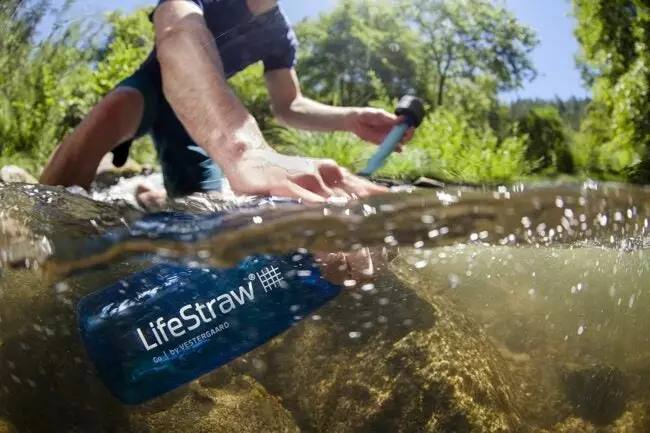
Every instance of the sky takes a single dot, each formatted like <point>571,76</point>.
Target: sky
<point>553,57</point>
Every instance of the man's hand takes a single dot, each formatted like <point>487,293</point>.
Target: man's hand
<point>266,172</point>
<point>373,124</point>
<point>295,110</point>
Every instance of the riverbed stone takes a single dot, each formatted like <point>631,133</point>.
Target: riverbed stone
<point>412,367</point>
<point>237,404</point>
<point>15,174</point>
<point>107,174</point>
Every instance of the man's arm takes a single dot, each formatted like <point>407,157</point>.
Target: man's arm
<point>195,86</point>
<point>293,109</point>
<point>194,83</point>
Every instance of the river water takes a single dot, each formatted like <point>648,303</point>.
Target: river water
<point>522,308</point>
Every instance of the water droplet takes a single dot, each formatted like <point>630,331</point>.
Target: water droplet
<point>581,330</point>
<point>390,240</point>
<point>367,287</point>
<point>350,283</point>
<point>602,219</point>
<point>454,281</point>
<point>316,317</point>
<point>354,334</point>
<point>612,291</point>
<point>61,287</point>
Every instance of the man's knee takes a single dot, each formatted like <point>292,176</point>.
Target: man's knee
<point>121,111</point>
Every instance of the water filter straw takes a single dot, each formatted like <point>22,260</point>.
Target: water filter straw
<point>170,324</point>
<point>413,111</point>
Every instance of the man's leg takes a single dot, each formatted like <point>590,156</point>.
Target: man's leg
<point>114,120</point>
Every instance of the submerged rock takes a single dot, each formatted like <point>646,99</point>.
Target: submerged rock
<point>598,393</point>
<point>399,364</point>
<point>5,427</point>
<point>237,404</point>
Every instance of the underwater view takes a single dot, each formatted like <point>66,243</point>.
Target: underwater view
<point>487,310</point>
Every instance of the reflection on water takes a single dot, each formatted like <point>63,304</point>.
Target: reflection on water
<point>524,309</point>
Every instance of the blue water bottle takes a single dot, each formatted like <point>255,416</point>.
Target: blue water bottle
<point>171,323</point>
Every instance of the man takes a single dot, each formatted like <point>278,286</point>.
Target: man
<point>201,131</point>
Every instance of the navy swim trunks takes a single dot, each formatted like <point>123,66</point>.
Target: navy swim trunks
<point>242,40</point>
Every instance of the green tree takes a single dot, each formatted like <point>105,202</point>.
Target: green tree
<point>344,50</point>
<point>38,78</point>
<point>615,59</point>
<point>469,39</point>
<point>548,146</point>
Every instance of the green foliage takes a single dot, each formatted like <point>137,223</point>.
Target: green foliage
<point>548,145</point>
<point>343,49</point>
<point>38,84</point>
<point>249,86</point>
<point>444,146</point>
<point>614,53</point>
<point>572,111</point>
<point>456,55</point>
<point>469,39</point>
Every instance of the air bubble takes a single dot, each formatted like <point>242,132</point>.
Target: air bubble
<point>454,281</point>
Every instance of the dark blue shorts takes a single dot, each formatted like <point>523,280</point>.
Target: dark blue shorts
<point>186,167</point>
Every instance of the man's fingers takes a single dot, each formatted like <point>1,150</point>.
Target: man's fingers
<point>359,186</point>
<point>313,183</point>
<point>290,189</point>
<point>409,135</point>
<point>330,171</point>
<point>368,186</point>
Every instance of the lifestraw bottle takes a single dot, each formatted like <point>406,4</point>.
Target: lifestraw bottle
<point>171,324</point>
